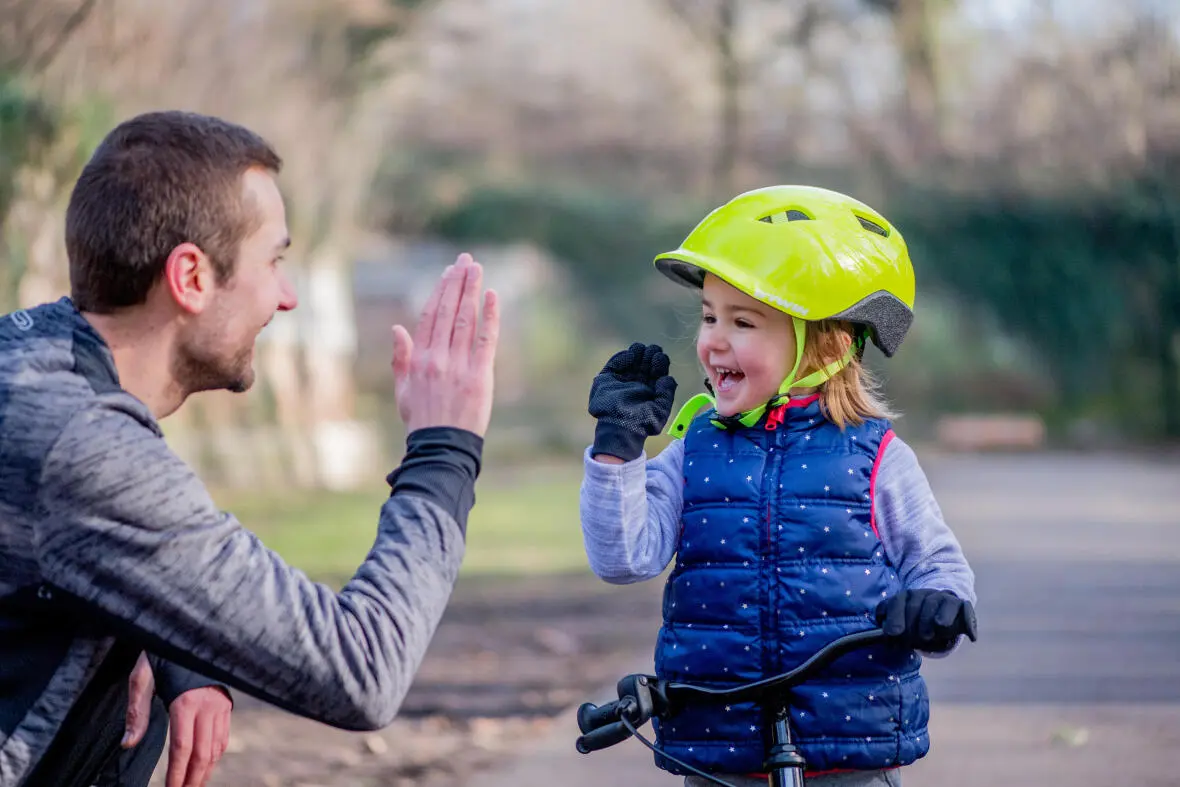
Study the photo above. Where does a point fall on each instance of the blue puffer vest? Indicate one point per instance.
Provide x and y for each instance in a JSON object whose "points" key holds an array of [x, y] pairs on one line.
{"points": [[778, 556]]}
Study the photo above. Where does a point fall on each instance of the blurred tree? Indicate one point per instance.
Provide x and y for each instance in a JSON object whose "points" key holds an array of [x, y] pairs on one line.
{"points": [[38, 143], [31, 237], [1091, 279], [310, 75], [27, 126], [916, 34], [743, 38], [32, 34], [606, 240]]}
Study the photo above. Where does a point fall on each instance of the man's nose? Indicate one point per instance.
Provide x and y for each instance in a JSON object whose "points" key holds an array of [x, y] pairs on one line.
{"points": [[288, 299]]}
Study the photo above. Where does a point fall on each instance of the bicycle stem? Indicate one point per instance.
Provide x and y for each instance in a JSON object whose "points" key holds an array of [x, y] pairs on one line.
{"points": [[783, 761]]}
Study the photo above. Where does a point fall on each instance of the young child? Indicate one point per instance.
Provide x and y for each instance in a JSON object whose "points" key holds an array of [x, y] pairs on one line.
{"points": [[795, 514]]}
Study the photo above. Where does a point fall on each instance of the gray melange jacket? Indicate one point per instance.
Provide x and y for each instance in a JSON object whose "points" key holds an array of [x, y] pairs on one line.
{"points": [[109, 545]]}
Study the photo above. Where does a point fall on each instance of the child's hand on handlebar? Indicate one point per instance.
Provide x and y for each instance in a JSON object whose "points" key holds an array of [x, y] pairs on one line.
{"points": [[924, 619]]}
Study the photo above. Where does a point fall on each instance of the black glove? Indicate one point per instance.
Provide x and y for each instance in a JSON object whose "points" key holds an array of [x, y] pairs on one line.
{"points": [[631, 398], [929, 620]]}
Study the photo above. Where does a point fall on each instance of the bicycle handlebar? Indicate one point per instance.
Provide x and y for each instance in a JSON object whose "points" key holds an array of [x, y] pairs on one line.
{"points": [[643, 696], [591, 717], [603, 737], [820, 659]]}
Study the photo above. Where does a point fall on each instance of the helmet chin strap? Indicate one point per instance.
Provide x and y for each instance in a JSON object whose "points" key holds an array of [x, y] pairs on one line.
{"points": [[679, 426]]}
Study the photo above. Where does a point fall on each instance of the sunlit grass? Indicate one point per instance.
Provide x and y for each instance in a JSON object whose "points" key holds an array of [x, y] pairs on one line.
{"points": [[525, 522]]}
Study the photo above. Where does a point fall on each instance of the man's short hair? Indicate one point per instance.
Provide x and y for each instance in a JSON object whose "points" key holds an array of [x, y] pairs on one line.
{"points": [[156, 181]]}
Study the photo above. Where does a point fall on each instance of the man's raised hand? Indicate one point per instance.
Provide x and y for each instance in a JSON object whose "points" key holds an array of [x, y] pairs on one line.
{"points": [[443, 373]]}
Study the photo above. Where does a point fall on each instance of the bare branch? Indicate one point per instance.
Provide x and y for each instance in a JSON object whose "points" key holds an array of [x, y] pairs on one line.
{"points": [[703, 28], [71, 25], [798, 36], [34, 31]]}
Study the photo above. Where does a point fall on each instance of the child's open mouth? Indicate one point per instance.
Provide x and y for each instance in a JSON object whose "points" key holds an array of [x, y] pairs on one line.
{"points": [[727, 379]]}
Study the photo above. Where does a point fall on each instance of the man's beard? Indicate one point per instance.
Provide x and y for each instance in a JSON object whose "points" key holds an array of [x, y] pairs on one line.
{"points": [[196, 369]]}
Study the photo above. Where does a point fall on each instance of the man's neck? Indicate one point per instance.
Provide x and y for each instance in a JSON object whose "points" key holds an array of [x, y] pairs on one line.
{"points": [[142, 349]]}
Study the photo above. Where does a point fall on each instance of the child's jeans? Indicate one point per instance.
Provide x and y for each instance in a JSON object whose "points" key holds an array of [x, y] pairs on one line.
{"points": [[888, 778]]}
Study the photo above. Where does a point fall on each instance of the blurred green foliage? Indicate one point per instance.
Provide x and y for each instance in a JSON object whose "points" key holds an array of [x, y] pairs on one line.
{"points": [[1080, 288]]}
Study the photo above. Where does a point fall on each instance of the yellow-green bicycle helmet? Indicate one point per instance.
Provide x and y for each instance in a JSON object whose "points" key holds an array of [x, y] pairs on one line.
{"points": [[813, 253]]}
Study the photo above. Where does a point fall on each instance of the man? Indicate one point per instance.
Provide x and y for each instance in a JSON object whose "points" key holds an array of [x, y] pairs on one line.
{"points": [[109, 545]]}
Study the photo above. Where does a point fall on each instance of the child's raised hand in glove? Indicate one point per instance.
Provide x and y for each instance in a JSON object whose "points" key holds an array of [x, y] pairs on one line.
{"points": [[631, 398]]}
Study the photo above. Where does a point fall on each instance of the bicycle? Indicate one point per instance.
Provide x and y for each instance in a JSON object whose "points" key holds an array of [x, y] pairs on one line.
{"points": [[642, 697]]}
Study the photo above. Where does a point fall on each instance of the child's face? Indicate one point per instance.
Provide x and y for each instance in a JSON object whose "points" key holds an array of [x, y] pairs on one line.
{"points": [[746, 347]]}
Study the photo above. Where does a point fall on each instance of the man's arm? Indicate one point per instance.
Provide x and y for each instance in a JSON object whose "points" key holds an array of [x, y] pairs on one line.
{"points": [[129, 529]]}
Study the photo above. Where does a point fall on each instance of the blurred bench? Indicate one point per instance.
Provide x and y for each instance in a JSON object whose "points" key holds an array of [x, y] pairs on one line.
{"points": [[991, 432]]}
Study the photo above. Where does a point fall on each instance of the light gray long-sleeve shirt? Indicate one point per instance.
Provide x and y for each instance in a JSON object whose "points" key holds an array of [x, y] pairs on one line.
{"points": [[631, 520]]}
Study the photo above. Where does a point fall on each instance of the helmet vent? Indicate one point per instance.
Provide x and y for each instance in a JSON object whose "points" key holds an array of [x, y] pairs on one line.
{"points": [[784, 216], [873, 227]]}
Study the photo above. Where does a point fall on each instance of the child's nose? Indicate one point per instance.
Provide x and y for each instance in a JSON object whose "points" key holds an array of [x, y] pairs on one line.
{"points": [[717, 339], [714, 346]]}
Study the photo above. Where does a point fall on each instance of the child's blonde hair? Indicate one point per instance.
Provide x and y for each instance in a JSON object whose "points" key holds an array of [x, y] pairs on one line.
{"points": [[853, 395]]}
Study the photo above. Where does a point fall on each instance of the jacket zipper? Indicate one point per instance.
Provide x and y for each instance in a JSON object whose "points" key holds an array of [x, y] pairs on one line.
{"points": [[770, 561]]}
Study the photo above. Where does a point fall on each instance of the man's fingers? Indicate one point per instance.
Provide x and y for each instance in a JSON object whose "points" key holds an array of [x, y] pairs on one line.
{"points": [[403, 350], [484, 353], [180, 745], [140, 686], [137, 723], [425, 327], [200, 762], [464, 327], [448, 303], [221, 726]]}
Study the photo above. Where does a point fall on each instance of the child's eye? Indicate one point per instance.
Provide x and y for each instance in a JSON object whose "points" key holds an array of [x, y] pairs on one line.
{"points": [[708, 319], [744, 324]]}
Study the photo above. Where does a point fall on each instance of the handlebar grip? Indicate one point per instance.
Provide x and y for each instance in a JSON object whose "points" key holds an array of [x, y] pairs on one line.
{"points": [[602, 737], [591, 717]]}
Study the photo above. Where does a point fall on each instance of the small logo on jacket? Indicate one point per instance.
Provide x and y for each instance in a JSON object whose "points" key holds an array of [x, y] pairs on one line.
{"points": [[23, 320]]}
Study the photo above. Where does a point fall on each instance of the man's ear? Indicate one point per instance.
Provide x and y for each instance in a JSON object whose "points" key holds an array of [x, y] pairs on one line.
{"points": [[189, 277]]}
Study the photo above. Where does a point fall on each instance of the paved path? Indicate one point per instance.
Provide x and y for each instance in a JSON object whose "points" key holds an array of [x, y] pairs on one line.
{"points": [[1076, 678]]}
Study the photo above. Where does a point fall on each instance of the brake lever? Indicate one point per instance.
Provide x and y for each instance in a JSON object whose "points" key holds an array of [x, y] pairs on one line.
{"points": [[640, 698], [648, 695]]}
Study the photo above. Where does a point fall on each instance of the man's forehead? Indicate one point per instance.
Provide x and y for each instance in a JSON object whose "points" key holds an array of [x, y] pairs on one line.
{"points": [[261, 186]]}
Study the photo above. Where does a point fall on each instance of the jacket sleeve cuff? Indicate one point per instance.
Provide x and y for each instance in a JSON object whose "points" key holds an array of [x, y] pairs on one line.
{"points": [[441, 464], [173, 680]]}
